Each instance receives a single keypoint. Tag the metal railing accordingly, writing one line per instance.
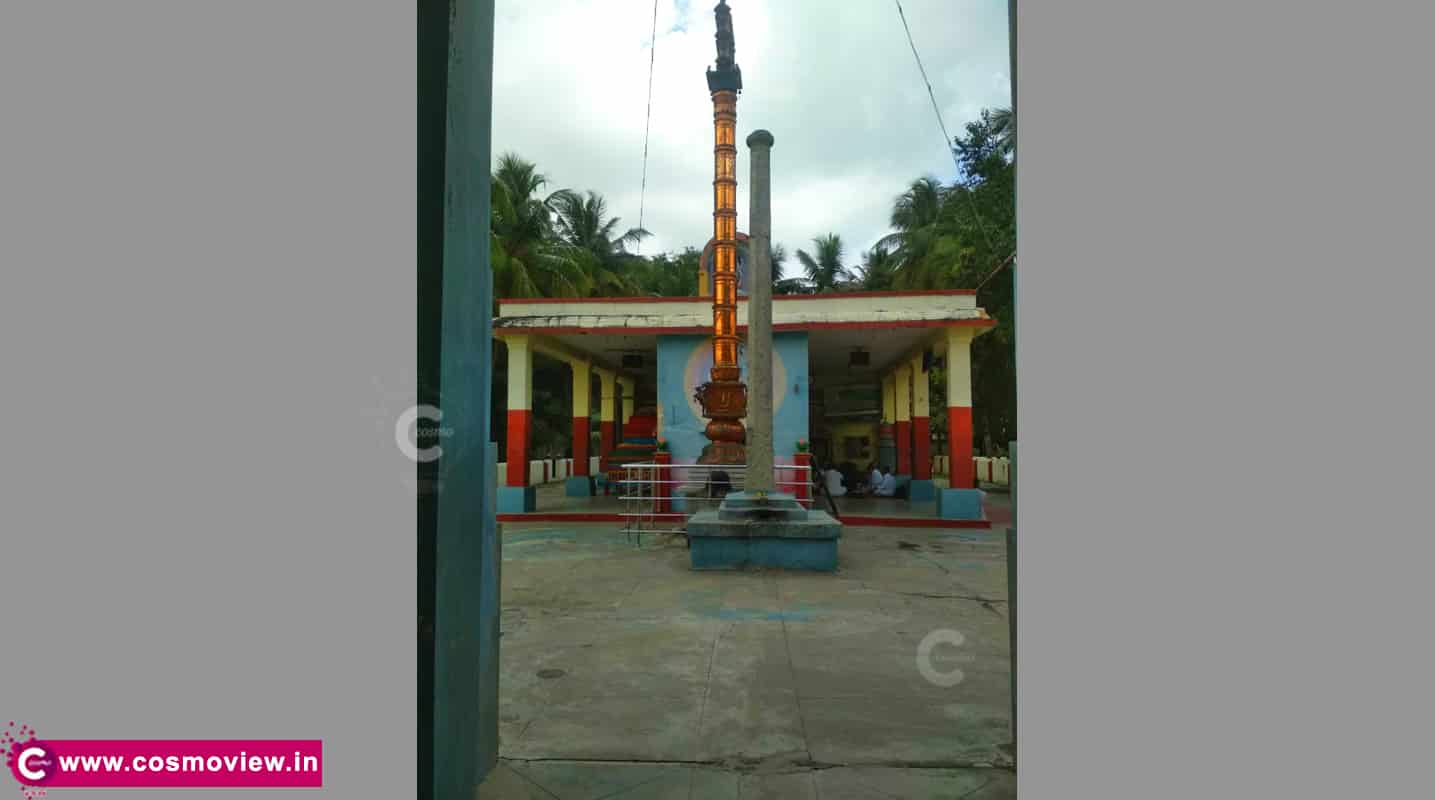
(659, 498)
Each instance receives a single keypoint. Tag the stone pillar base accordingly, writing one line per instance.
(517, 499)
(579, 486)
(921, 491)
(960, 504)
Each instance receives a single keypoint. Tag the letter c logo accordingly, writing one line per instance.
(401, 433)
(29, 754)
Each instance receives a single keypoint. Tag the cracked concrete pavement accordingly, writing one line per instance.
(625, 674)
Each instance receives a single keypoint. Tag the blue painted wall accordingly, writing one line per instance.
(685, 361)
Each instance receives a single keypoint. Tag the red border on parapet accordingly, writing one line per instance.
(741, 299)
(777, 327)
(846, 519)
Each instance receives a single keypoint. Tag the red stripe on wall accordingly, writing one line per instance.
(921, 448)
(828, 296)
(777, 327)
(580, 446)
(959, 438)
(605, 440)
(904, 447)
(520, 428)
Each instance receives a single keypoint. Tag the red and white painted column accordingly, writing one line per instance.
(903, 427)
(959, 408)
(921, 422)
(582, 400)
(520, 408)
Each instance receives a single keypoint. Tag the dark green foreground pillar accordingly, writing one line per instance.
(458, 551)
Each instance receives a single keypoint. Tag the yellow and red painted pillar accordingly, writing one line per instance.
(886, 435)
(903, 427)
(607, 400)
(580, 483)
(607, 424)
(962, 500)
(921, 489)
(515, 496)
(627, 390)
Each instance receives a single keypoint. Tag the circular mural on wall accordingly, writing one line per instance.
(699, 370)
(741, 266)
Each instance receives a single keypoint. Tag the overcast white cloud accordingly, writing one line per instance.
(834, 82)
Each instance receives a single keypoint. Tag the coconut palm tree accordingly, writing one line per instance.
(877, 272)
(526, 262)
(778, 253)
(582, 222)
(825, 271)
(1003, 122)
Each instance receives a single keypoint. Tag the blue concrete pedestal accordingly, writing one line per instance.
(517, 499)
(921, 491)
(579, 486)
(772, 531)
(960, 503)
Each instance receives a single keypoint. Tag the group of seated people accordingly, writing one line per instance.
(880, 482)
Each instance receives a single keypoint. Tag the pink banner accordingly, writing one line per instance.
(54, 763)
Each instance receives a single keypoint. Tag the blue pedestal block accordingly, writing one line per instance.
(763, 531)
(921, 491)
(811, 555)
(517, 499)
(960, 503)
(579, 486)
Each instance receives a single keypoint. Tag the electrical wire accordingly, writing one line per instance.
(652, 59)
(946, 137)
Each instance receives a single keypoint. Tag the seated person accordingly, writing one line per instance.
(874, 480)
(833, 480)
(888, 487)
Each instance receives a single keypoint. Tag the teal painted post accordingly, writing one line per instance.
(432, 113)
(467, 550)
(1011, 589)
(1011, 450)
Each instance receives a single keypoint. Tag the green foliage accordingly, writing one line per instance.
(824, 271)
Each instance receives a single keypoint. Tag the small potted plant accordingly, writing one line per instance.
(662, 445)
(803, 446)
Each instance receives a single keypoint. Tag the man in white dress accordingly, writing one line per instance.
(888, 487)
(833, 478)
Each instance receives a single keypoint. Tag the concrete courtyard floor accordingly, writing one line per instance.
(627, 675)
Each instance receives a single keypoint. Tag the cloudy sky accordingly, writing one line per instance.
(835, 83)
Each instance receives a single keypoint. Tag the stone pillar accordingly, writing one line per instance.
(759, 320)
(516, 496)
(580, 483)
(962, 500)
(903, 427)
(921, 490)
